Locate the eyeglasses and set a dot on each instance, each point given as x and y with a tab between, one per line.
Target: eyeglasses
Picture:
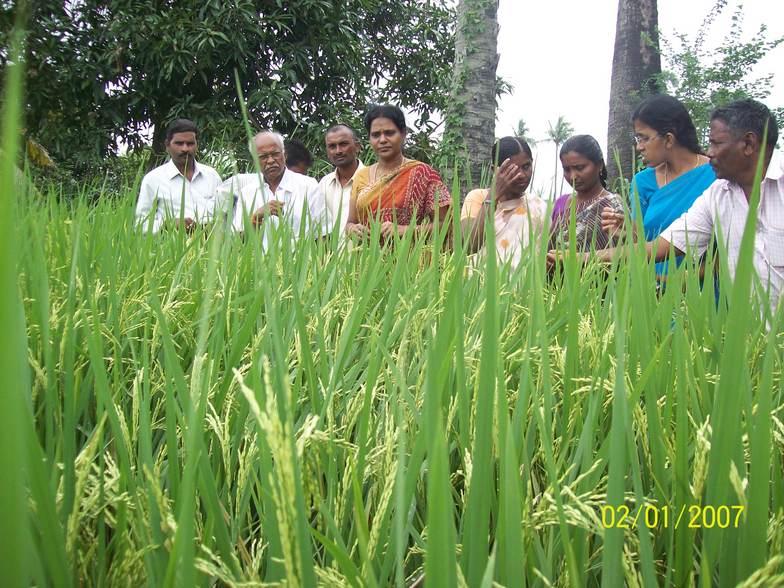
642	140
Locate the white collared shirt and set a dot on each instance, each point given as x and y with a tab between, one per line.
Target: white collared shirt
723	207
176	197
336	198
303	204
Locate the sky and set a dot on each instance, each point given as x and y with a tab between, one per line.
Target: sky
558	57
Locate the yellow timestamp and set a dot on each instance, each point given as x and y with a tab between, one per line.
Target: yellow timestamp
651	516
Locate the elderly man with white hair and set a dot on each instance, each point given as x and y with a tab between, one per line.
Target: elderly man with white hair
283	196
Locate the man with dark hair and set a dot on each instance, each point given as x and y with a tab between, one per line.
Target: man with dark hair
298	158
342	150
741	134
182	190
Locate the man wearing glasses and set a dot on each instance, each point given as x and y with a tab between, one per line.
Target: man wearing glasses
282	196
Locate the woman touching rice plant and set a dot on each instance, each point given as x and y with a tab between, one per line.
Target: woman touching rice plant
584	169
678	171
395	191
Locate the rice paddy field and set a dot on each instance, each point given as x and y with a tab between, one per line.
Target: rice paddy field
185	410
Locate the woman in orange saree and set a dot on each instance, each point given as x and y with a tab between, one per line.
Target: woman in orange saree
395	191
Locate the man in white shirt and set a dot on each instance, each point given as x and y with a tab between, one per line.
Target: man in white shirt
283	196
342	150
181	192
736	144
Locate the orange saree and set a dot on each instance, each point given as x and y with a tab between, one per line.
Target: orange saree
410	194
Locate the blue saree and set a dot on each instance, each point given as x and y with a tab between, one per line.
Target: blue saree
660	206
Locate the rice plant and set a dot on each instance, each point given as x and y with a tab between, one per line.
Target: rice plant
186	410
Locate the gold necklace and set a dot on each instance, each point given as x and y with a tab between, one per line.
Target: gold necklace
391	170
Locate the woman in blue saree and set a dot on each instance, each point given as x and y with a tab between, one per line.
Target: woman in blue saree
677	173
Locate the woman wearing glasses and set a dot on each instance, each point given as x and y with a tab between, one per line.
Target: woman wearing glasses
677	170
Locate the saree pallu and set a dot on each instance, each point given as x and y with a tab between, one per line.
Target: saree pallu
587	222
410	194
660	206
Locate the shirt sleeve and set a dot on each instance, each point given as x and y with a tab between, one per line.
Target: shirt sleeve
317	208
246	205
472	204
694	228
223	202
145	204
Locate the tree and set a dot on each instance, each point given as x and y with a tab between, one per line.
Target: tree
521	132
558	133
704	78
636	71
101	72
470	116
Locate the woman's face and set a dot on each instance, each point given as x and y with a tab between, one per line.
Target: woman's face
651	145
386	140
523	161
580	172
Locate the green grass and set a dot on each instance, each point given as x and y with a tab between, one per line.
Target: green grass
185	410
365	416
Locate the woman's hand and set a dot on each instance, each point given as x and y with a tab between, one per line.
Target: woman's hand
558	255
612	223
508	179
390	229
357	231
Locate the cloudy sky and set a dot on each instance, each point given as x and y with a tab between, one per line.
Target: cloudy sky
558	56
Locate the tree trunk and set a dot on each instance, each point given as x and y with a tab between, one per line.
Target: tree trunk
635	75
470	116
158	155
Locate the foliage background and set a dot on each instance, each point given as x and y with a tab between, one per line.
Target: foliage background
100	75
704	78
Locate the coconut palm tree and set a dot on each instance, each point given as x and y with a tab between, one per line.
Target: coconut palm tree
470	117
521	132
558	133
636	72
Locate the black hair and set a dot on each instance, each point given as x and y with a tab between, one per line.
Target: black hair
589	148
503	149
297	153
180	125
665	114
341	126
748	116
526	147
389	111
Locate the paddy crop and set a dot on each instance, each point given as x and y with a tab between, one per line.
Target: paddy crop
201	412
190	410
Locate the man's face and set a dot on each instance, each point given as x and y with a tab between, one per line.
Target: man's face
271	158
730	155
182	148
342	148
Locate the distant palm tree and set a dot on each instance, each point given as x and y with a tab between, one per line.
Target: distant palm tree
558	134
521	132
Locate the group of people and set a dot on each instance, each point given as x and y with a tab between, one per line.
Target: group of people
685	196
